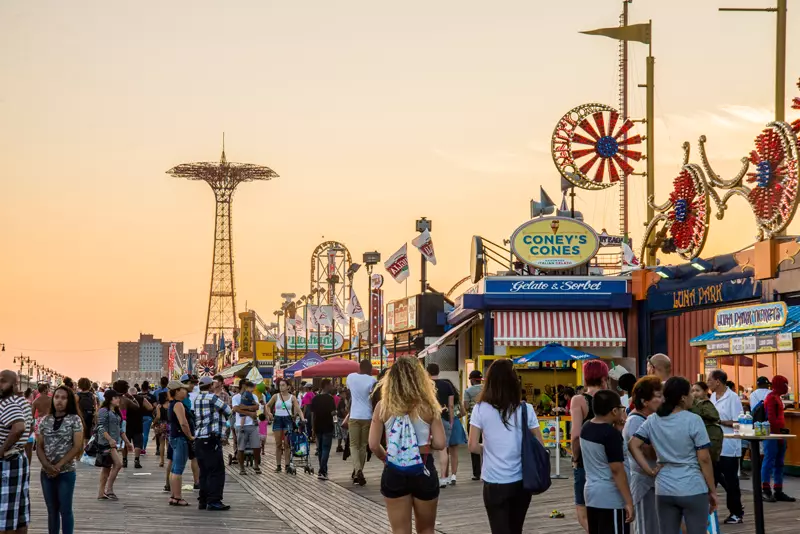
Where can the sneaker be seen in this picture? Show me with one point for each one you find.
(766, 496)
(780, 496)
(339, 449)
(322, 476)
(475, 479)
(124, 463)
(143, 453)
(257, 470)
(360, 480)
(218, 507)
(443, 482)
(452, 480)
(137, 464)
(166, 488)
(242, 471)
(202, 506)
(196, 487)
(733, 520)
(278, 468)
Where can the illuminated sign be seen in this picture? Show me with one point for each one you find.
(554, 243)
(401, 315)
(772, 315)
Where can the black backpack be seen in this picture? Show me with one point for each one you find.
(535, 459)
(86, 403)
(759, 413)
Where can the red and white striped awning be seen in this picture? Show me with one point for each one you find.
(572, 329)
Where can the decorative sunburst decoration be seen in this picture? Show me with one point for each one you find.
(681, 223)
(591, 146)
(206, 367)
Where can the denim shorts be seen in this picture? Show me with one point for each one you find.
(580, 483)
(448, 429)
(180, 454)
(282, 423)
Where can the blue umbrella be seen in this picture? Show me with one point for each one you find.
(555, 352)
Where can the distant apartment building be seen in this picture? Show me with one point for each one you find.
(145, 359)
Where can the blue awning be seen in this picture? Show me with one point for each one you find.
(792, 326)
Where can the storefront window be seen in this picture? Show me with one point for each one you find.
(765, 367)
(785, 367)
(728, 364)
(745, 382)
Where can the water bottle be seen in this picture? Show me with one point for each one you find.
(766, 428)
(748, 423)
(738, 426)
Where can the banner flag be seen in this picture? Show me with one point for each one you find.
(632, 32)
(425, 245)
(340, 317)
(397, 264)
(354, 308)
(299, 325)
(323, 316)
(311, 311)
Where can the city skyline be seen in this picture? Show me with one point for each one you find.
(372, 115)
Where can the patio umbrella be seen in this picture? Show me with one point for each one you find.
(309, 360)
(555, 352)
(334, 368)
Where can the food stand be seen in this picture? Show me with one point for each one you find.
(757, 340)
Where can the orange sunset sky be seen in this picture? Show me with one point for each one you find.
(373, 113)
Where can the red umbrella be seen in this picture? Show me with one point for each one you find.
(335, 368)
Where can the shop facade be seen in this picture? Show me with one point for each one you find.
(510, 316)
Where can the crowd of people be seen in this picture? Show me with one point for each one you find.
(648, 461)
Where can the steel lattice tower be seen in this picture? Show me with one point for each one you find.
(223, 177)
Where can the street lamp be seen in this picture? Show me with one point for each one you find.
(422, 225)
(370, 259)
(278, 314)
(354, 267)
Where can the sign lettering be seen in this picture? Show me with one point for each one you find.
(544, 285)
(554, 243)
(772, 315)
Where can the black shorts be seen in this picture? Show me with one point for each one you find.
(191, 451)
(137, 440)
(103, 458)
(425, 488)
(607, 521)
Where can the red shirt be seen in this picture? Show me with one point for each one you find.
(774, 407)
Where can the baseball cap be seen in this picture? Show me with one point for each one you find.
(174, 384)
(762, 381)
(206, 381)
(184, 378)
(476, 375)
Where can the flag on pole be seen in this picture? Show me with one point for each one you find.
(354, 308)
(634, 32)
(339, 315)
(311, 311)
(628, 257)
(397, 264)
(299, 325)
(323, 316)
(425, 245)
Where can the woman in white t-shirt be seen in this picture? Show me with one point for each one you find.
(498, 417)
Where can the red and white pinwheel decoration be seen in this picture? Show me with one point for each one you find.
(591, 146)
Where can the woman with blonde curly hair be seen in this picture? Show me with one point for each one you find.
(409, 412)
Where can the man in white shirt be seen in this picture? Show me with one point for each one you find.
(726, 470)
(760, 393)
(246, 425)
(360, 385)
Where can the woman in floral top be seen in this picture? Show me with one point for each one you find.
(60, 443)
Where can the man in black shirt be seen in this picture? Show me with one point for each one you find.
(134, 426)
(323, 409)
(446, 395)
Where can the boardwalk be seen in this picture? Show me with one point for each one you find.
(283, 504)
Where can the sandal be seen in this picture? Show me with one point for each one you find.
(111, 497)
(177, 502)
(103, 498)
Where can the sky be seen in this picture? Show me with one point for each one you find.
(372, 113)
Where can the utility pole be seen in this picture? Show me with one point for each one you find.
(422, 225)
(780, 52)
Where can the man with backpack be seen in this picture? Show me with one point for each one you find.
(470, 400)
(87, 402)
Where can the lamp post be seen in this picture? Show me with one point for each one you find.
(422, 225)
(278, 314)
(370, 259)
(287, 303)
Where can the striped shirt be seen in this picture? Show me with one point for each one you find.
(13, 409)
(210, 413)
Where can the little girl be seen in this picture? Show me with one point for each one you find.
(262, 429)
